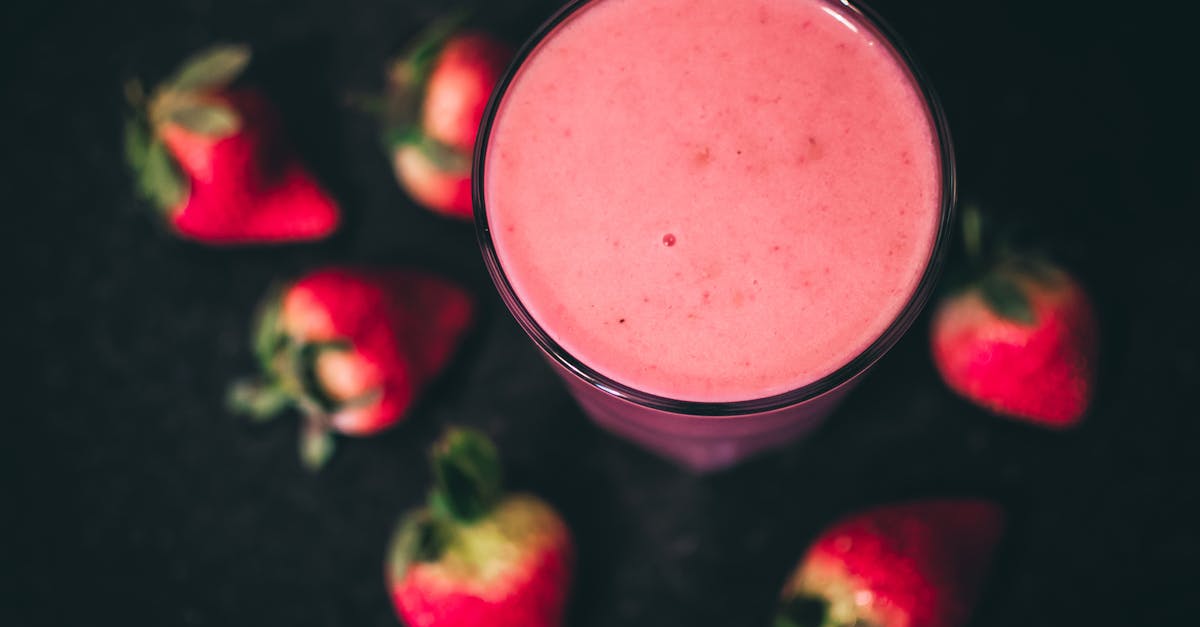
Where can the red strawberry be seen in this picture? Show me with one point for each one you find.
(1021, 340)
(436, 98)
(214, 160)
(460, 84)
(909, 565)
(352, 348)
(474, 555)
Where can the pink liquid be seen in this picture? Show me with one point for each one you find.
(713, 200)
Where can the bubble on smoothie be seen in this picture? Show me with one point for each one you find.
(669, 239)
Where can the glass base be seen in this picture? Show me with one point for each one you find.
(703, 443)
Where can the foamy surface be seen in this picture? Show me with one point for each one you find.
(712, 200)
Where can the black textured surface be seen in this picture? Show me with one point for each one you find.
(133, 498)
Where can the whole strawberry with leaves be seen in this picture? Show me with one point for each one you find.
(914, 564)
(351, 349)
(435, 101)
(213, 159)
(474, 555)
(1019, 337)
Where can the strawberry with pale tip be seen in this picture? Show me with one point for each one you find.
(475, 555)
(351, 349)
(435, 101)
(914, 564)
(213, 159)
(1019, 338)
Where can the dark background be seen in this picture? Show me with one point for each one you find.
(133, 498)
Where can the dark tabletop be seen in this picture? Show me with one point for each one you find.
(133, 498)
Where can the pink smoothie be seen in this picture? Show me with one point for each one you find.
(713, 200)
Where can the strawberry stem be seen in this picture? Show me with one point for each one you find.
(467, 475)
(316, 443)
(211, 69)
(972, 224)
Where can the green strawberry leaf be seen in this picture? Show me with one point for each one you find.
(418, 538)
(400, 115)
(417, 63)
(137, 143)
(396, 135)
(1005, 298)
(158, 177)
(401, 106)
(973, 234)
(468, 475)
(211, 69)
(258, 400)
(443, 157)
(212, 120)
(268, 337)
(316, 444)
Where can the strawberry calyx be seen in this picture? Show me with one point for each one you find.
(157, 175)
(415, 65)
(290, 379)
(467, 488)
(468, 481)
(812, 611)
(419, 538)
(805, 610)
(406, 81)
(802, 611)
(990, 275)
(1005, 297)
(442, 157)
(997, 270)
(188, 99)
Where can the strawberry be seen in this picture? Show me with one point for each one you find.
(213, 159)
(351, 349)
(1019, 340)
(460, 83)
(909, 565)
(475, 555)
(436, 97)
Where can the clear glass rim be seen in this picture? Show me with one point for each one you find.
(833, 380)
